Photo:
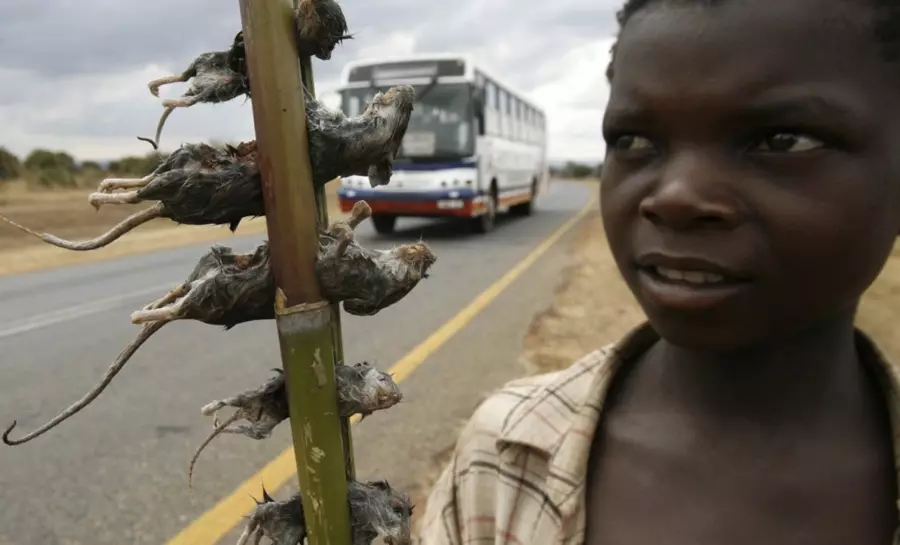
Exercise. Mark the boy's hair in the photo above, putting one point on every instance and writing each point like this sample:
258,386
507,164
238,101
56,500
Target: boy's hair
886,28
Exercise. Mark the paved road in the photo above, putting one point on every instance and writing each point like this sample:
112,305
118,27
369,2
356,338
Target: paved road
116,472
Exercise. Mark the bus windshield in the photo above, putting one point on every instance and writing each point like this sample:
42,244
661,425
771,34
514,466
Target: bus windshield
440,126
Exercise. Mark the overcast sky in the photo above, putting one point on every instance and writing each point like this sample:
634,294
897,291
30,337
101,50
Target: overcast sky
73,74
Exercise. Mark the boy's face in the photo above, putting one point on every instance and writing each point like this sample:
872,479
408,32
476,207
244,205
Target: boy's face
757,141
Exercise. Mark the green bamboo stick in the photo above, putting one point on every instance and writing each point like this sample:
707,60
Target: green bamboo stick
304,319
322,214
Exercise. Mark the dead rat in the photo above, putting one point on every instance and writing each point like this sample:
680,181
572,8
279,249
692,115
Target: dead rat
367,280
320,26
364,145
218,263
376,511
361,389
228,289
196,185
199,184
220,76
203,185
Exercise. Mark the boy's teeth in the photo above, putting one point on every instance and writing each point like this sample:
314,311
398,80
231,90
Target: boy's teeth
692,277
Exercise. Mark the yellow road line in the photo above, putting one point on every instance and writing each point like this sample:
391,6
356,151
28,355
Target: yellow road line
216,523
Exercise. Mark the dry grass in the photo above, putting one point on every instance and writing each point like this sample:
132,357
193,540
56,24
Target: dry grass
67,214
593,307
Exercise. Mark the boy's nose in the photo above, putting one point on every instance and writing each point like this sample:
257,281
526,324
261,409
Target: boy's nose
692,196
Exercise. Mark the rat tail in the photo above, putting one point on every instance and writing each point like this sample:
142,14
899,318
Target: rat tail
114,369
159,127
215,433
126,225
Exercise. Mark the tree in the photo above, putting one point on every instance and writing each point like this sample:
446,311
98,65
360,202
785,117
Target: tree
42,159
10,166
91,166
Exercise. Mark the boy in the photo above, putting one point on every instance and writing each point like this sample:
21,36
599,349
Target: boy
750,195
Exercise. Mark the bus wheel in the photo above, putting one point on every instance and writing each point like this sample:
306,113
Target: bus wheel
527,207
485,222
384,224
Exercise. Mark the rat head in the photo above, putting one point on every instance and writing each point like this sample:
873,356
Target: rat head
395,107
418,258
244,152
366,389
321,25
283,522
751,187
397,100
381,510
237,55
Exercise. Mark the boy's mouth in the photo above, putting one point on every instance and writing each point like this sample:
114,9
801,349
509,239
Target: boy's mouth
691,277
690,270
688,283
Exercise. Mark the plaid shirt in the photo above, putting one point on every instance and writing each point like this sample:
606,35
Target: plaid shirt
517,475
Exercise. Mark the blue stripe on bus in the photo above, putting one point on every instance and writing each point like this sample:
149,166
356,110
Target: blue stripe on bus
405,196
425,167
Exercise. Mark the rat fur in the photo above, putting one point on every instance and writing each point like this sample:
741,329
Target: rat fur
361,389
199,184
228,289
320,25
220,76
376,511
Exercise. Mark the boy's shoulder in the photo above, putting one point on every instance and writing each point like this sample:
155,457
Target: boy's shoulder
538,410
550,415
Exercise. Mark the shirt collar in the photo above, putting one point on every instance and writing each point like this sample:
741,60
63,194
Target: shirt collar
537,422
557,418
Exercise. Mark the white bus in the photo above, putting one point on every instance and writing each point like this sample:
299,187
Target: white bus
474,147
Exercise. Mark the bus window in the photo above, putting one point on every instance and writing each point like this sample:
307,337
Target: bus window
504,114
528,122
491,96
490,108
514,117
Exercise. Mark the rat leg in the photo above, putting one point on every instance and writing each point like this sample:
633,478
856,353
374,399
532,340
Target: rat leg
344,230
360,212
251,530
215,406
110,184
179,291
181,102
98,199
380,173
167,313
166,80
344,234
171,310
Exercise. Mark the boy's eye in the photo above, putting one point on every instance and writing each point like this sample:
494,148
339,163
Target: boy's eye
632,143
788,143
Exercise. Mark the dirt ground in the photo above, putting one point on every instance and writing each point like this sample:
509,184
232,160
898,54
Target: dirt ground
593,307
67,214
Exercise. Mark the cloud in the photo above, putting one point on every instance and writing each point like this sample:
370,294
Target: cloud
75,73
